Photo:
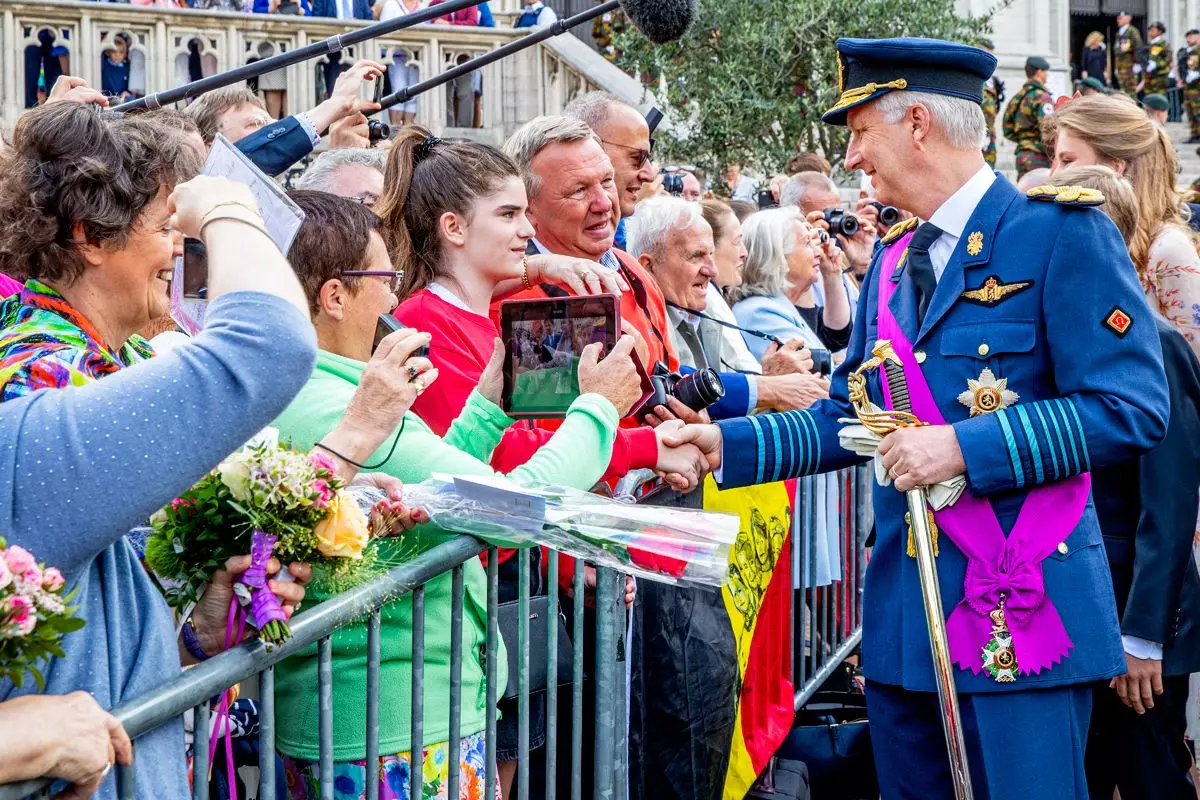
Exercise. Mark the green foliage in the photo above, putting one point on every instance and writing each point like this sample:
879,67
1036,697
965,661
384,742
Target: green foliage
751,80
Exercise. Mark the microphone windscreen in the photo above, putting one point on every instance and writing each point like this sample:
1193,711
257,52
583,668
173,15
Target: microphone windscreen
661,21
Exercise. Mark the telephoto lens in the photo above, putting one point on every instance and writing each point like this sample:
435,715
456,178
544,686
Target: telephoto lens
699,390
841,223
888,215
378,131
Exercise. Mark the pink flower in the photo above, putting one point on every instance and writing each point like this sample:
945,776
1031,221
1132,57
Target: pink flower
19,559
32,577
20,615
52,580
6,576
324,491
179,503
322,461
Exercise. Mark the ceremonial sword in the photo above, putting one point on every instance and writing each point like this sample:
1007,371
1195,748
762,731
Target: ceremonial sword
921,532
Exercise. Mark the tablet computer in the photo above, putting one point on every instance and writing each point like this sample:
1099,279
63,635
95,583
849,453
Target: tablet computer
543,342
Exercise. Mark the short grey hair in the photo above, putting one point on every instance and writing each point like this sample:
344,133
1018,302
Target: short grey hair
770,238
540,132
319,175
653,221
591,108
793,192
960,121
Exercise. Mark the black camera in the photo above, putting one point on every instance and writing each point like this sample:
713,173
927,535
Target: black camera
673,183
888,215
766,200
822,362
697,391
378,131
841,223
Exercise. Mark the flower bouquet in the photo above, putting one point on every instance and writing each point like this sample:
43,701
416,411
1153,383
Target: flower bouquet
34,615
268,500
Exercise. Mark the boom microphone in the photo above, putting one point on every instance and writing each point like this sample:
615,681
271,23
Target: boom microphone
661,21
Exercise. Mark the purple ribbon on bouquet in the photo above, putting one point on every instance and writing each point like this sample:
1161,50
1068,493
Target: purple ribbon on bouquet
996,564
264,605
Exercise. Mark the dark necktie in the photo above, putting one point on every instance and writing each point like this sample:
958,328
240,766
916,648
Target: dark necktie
920,266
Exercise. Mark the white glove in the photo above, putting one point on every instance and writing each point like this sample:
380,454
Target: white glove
1137,69
857,439
1151,66
1192,77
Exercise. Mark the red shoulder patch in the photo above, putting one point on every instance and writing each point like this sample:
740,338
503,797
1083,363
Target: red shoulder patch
1118,321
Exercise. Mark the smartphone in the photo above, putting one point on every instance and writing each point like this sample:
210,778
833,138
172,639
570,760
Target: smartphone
195,269
378,96
386,325
543,341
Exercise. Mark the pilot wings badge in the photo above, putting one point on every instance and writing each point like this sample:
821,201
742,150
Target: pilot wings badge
994,292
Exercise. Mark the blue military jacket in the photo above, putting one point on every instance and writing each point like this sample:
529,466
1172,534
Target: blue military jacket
1076,342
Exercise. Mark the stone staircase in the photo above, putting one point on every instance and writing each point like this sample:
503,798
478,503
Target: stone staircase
1189,159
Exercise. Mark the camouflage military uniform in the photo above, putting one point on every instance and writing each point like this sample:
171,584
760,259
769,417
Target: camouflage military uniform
1189,65
1160,57
991,108
1129,59
1022,125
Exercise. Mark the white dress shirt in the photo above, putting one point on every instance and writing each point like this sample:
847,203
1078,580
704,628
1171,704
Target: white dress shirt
954,214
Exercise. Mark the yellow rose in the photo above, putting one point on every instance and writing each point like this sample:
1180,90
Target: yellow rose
344,533
235,474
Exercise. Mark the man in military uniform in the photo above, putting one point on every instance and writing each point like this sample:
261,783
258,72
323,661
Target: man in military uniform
993,98
1089,86
1188,71
1028,372
1130,55
1158,61
1023,117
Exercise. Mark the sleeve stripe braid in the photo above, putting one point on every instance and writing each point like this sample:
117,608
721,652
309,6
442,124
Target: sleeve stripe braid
1082,439
1070,465
760,449
812,442
1014,456
1037,408
1063,412
1035,453
778,445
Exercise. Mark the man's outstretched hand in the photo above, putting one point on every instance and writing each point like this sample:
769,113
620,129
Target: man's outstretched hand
705,437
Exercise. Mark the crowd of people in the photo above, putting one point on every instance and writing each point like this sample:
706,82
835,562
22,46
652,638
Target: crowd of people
771,291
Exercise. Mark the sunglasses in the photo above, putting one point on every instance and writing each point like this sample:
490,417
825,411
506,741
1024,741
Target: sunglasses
393,276
643,155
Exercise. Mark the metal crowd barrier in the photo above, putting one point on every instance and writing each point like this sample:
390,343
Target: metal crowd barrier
827,615
195,687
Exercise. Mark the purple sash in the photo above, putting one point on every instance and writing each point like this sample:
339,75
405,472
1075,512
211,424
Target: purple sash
996,564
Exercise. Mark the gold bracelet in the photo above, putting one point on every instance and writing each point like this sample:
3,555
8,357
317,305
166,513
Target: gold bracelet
525,273
253,220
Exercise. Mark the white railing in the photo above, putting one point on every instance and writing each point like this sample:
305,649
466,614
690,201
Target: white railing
75,35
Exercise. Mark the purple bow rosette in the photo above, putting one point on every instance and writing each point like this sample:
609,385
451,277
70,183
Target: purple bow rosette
266,613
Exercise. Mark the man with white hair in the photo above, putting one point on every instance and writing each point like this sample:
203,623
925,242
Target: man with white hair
1027,371
353,173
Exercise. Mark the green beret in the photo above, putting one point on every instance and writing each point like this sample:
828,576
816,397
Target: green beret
1156,102
1036,62
1094,83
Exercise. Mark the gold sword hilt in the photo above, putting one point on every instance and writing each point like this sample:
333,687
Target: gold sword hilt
882,421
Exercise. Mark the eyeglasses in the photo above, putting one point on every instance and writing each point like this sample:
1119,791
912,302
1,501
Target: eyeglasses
393,276
644,155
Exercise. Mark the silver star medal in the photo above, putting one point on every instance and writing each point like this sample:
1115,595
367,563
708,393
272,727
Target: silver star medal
987,394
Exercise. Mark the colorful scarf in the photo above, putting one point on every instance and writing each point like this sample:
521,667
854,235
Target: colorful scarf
47,344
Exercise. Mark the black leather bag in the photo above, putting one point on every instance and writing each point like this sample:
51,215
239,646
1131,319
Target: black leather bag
509,619
831,737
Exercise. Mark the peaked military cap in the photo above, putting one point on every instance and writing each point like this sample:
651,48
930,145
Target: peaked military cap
1193,30
870,68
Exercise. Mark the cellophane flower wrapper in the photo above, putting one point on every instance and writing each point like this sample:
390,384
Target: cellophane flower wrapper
265,500
671,545
35,613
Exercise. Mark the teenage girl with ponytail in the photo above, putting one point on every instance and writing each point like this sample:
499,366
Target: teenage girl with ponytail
1113,132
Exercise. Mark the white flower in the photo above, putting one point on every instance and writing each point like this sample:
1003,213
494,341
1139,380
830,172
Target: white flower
235,474
987,394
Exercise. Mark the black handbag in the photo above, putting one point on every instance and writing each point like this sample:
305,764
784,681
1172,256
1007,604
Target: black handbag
831,737
508,619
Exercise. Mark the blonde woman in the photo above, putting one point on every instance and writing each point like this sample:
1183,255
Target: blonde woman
1115,133
1093,62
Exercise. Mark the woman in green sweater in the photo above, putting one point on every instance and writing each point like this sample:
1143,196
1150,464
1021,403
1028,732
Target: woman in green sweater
349,280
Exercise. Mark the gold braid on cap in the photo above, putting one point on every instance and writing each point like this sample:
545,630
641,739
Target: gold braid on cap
852,96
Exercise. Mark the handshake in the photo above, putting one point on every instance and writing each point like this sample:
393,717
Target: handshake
689,445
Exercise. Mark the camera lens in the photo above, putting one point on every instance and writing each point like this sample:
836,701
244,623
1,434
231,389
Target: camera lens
699,390
673,183
841,223
378,131
822,362
888,215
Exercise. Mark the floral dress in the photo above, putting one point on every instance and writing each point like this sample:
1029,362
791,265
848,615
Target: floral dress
350,777
1172,282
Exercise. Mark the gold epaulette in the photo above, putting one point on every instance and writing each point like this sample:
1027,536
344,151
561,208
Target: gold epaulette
899,229
1067,195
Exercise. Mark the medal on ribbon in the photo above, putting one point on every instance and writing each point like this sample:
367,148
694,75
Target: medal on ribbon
999,658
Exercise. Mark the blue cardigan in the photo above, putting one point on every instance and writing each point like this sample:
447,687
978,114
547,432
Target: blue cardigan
774,315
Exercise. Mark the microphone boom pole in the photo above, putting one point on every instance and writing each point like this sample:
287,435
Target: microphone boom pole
556,29
333,44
